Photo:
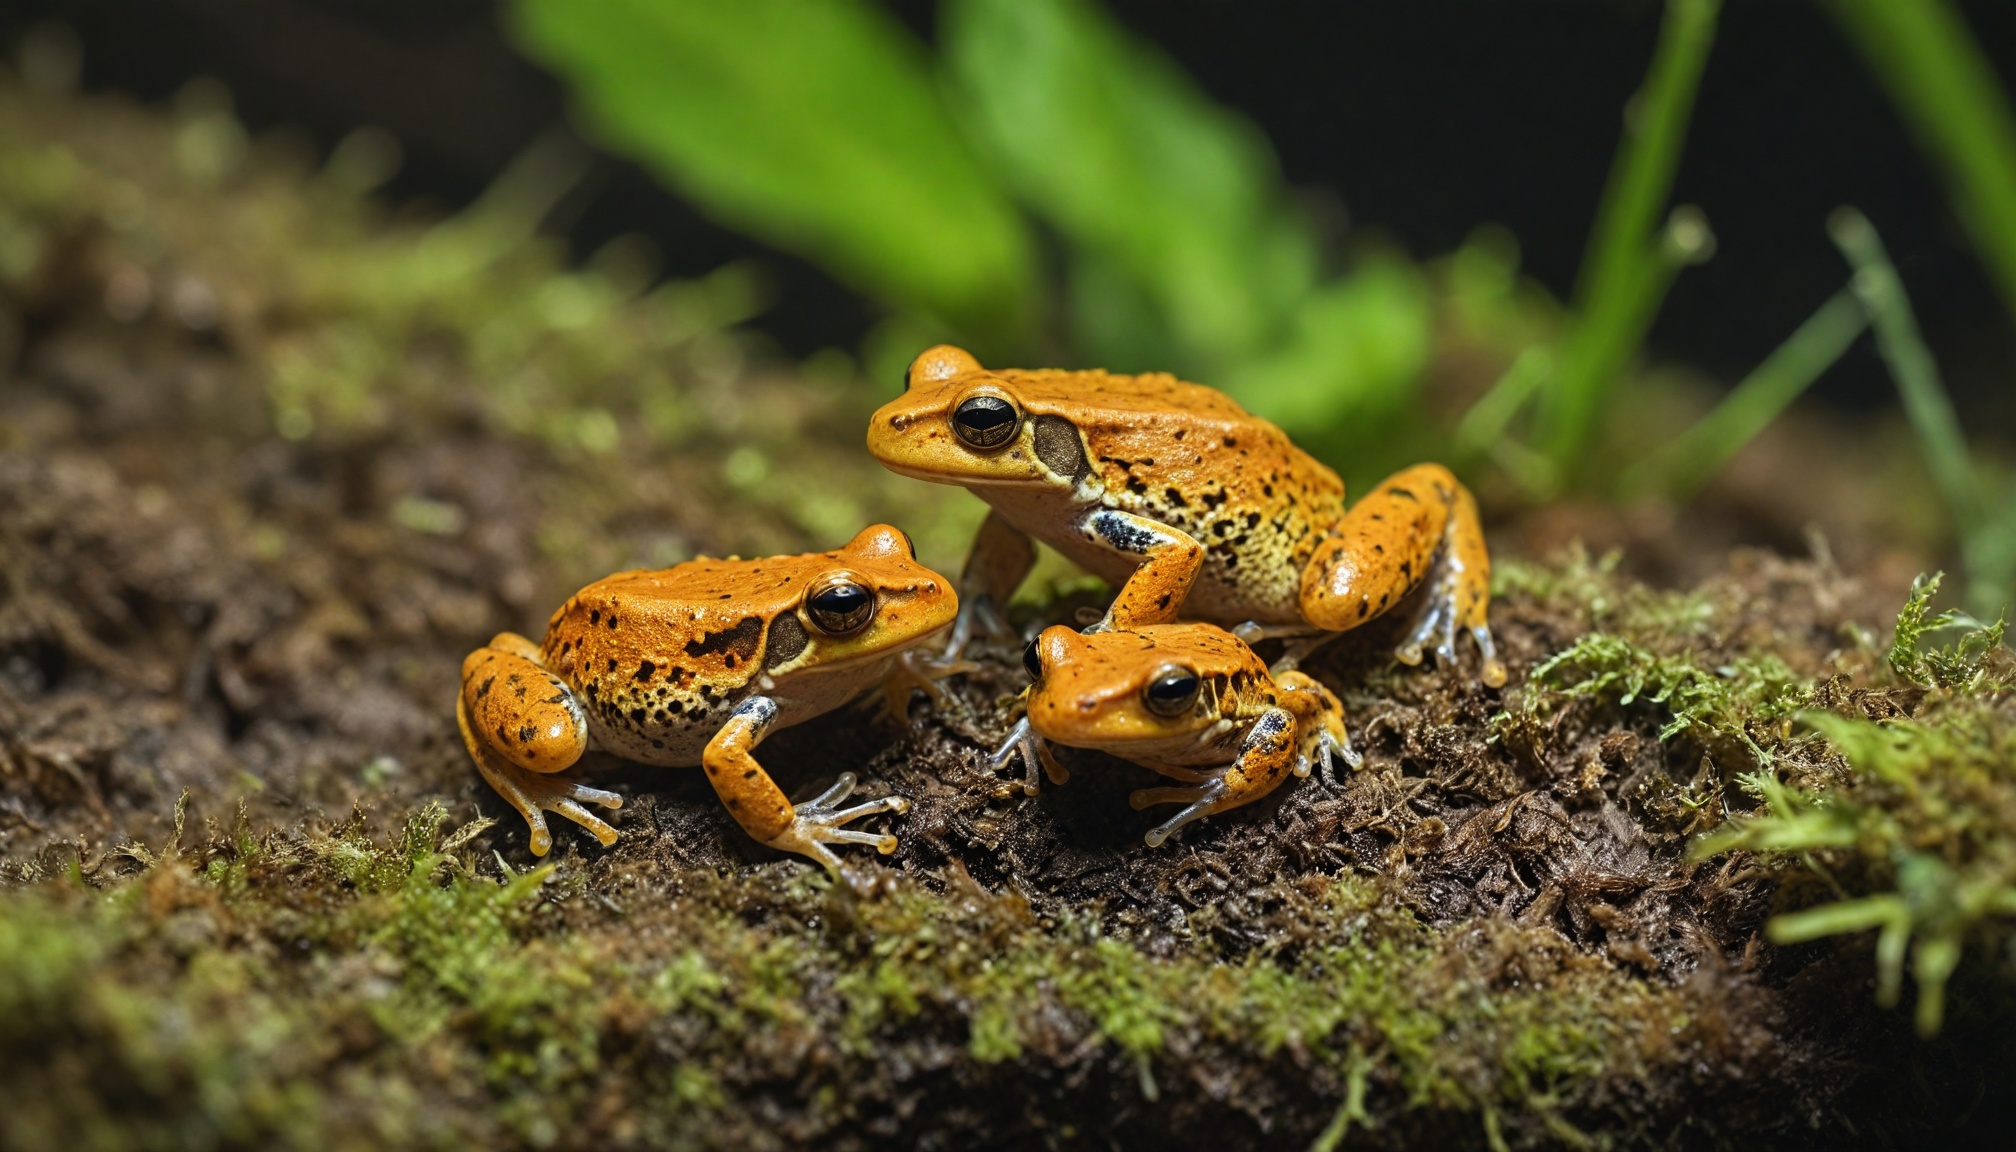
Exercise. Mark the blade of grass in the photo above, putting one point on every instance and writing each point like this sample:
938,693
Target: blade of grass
1986,556
1621,282
1949,96
1690,460
1486,421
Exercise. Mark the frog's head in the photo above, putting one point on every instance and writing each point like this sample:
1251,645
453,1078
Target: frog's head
958,423
868,599
1114,690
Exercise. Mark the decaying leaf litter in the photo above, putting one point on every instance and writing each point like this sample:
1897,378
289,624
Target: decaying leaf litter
258,498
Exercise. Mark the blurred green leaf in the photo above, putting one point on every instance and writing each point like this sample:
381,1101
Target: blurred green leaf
1141,170
1187,251
811,124
1354,351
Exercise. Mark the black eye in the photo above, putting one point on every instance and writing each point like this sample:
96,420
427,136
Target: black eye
985,421
1032,662
840,608
909,545
1171,692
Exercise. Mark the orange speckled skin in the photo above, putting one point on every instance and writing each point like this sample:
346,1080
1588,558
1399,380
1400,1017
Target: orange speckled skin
1090,695
651,665
1261,531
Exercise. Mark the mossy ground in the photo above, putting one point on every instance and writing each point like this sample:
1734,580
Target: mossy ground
272,462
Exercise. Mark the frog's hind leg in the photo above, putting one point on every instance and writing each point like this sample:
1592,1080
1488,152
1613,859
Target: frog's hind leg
1267,757
524,729
756,803
1420,525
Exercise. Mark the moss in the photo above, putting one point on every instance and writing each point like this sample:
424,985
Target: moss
1917,839
263,988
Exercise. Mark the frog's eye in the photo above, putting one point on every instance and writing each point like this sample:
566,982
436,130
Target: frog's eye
840,607
1032,662
1172,692
909,545
985,420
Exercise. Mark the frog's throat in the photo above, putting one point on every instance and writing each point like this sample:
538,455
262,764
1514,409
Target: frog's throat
882,653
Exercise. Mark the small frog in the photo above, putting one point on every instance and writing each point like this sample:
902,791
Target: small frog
1187,502
694,664
1190,701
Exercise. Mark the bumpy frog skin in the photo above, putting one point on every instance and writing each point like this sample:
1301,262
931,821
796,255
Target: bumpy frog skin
694,664
1190,701
1184,500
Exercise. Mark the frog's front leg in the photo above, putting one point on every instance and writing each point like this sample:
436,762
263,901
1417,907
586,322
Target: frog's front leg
524,728
1001,558
756,803
1420,525
1168,560
1269,755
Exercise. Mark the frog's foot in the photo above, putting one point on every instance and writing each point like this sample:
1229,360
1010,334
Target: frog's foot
913,670
534,794
1198,802
1024,742
1438,621
817,823
1330,750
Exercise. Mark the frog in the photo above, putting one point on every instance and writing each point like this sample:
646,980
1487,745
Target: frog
1191,701
1188,504
694,665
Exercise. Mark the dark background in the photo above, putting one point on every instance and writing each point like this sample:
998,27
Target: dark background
1422,118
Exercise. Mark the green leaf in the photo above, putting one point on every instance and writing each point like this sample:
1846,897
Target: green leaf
814,125
1137,167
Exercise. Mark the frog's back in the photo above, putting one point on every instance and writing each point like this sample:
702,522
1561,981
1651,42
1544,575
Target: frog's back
1191,457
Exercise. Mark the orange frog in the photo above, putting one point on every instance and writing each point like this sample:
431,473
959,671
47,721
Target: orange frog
1179,496
694,664
1190,701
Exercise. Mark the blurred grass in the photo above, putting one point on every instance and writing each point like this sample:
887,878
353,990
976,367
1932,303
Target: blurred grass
1630,264
1949,96
1982,511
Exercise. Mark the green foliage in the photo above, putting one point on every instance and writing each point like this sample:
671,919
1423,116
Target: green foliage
814,126
1962,665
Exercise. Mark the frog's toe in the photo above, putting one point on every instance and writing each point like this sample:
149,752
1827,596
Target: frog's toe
915,670
818,822
1198,803
534,795
1492,670
1024,742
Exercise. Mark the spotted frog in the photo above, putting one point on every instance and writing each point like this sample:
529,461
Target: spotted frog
694,664
1190,701
1177,495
